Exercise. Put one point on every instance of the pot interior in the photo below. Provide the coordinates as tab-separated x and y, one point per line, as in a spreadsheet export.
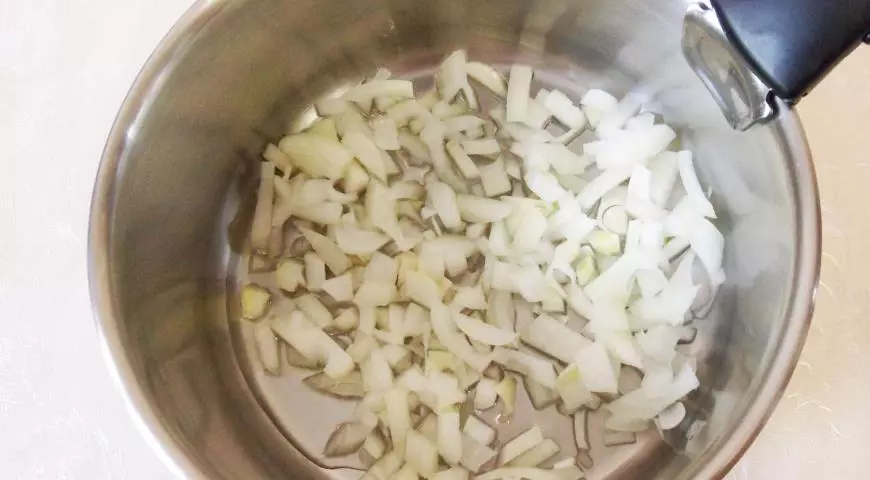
246	72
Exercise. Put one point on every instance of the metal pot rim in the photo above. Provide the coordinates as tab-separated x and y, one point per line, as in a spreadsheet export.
715	463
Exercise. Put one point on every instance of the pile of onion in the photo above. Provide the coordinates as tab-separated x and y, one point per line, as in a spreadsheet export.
428	255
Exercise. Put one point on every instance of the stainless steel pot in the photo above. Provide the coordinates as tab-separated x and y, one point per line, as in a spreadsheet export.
231	76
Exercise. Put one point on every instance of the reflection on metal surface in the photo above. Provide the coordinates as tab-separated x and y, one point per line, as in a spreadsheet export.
741	95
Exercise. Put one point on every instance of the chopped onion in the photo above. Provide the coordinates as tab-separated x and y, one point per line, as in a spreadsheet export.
488	77
494	178
482	209
449	436
475	454
564	110
340	288
349	386
482	332
267	347
520	445
310	341
596	369
463	162
367	153
445	330
378	189
479	430
262	223
671	417
693	186
506	389
539	370
315	310
597	104
385	467
485	394
553	338
540	396
443	200
365	93
333	256
539	454
421	454
519	83
317	156
454	473
255	301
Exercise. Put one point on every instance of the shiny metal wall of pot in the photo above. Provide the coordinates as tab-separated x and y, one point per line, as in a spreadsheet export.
230	76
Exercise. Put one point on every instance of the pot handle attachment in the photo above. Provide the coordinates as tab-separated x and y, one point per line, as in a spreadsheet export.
792	44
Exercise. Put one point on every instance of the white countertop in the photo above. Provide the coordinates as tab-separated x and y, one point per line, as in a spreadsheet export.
64	70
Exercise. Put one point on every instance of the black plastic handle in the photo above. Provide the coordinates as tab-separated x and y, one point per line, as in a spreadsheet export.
792	44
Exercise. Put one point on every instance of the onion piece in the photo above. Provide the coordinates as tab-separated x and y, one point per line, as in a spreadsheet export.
564	110
421	454
398	414
445	330
386	134
603	183
365	93
380	205
469	297
487	146
690	182
355	241
333	256
262	223
375	294
494	178
521	444
290	275
315	310
310	341
572	390
347	387
597	369
540	396
368	154
481	209
597	104
506	389
665	170
671	417
267	347
482	332
385	467
255	301
539	454
346	439
581	435
340	288
315	271
449	436
475	454
485	394
443	200
488	77
317	156
613	439
519	83
479	430
538	369
554	338
454	473
463	162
